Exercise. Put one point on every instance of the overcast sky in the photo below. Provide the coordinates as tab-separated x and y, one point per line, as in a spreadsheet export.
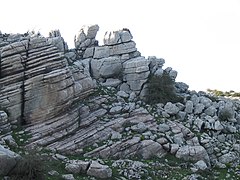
198	38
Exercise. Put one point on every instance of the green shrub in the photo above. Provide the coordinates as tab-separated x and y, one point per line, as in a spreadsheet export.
161	89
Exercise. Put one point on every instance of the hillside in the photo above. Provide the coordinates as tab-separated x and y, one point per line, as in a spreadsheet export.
106	112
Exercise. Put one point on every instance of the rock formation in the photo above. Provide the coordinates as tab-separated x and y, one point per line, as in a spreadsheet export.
89	102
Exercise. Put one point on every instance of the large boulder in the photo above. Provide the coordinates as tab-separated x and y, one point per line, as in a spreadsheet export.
8	160
193	153
106	67
136	72
99	171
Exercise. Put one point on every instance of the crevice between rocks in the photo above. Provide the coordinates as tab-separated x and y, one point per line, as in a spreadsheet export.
24	63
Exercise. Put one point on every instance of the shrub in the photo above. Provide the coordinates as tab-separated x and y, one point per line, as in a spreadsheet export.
28	168
161	89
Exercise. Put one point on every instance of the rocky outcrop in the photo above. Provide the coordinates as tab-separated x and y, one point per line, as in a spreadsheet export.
47	86
37	84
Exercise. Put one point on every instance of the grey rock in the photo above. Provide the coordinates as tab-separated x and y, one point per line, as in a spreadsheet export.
163	128
91	31
89	52
171	108
53	173
106	67
123	48
227	158
77	166
218	126
231	129
99	171
156	63
115	109
159	72
125	87
150	148
201	165
8	160
195	99
68	177
174	148
122	94
116	135
199	123
173	74
101	52
210	111
199	108
193	153
236	147
140	127
221	138
117	37
205	101
178	139
59	43
189	107
181	87
181	115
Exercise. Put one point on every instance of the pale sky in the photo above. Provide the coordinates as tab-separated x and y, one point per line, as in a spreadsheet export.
198	38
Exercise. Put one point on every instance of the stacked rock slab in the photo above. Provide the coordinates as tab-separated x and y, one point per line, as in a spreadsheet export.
36	82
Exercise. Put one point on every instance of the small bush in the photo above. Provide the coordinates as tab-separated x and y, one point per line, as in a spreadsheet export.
161	89
30	167
225	114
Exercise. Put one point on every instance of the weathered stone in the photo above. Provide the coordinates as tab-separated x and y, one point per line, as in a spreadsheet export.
115	109
193	153
8	160
195	99
140	127
122	94
174	148
68	177
77	166
123	48
99	171
150	148
89	52
218	126
171	108
163	128
205	101
117	37
116	135
101	52
227	158
211	111
199	108
91	31
189	107
201	165
106	67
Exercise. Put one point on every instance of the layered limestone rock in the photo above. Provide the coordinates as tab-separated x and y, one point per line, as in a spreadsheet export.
36	82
